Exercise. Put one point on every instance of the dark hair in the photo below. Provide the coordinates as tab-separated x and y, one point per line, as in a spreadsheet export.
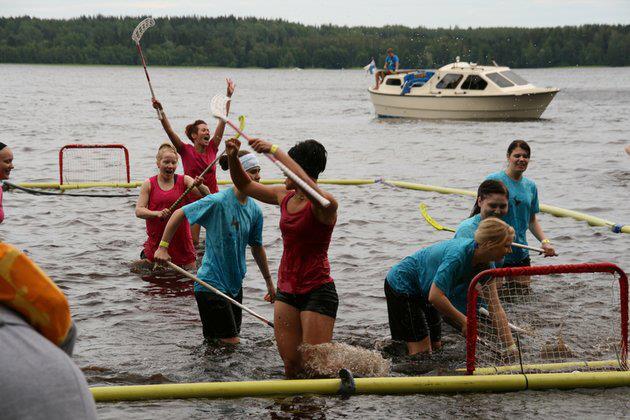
2	145
487	187
519	143
311	155
223	160
192	128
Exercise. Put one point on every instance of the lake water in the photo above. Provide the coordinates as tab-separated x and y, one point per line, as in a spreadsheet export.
137	332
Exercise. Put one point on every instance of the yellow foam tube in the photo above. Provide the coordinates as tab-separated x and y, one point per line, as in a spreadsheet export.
216	390
540	381
75	186
556	211
547	367
407	385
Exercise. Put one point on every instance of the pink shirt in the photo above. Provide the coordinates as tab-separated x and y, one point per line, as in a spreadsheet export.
181	248
194	164
1	209
304	265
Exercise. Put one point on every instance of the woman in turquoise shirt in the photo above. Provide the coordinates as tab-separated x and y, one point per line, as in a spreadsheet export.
492	201
429	283
523	204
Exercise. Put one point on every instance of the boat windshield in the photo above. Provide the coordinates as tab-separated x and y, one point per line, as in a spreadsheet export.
499	80
474	82
518	80
449	81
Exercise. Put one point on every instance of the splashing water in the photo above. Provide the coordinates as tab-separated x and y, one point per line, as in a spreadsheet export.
328	358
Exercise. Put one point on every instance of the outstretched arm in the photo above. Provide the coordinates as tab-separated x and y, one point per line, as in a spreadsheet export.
173	137
270	194
218	132
161	254
327	215
497	313
536	229
198	183
260	256
438	299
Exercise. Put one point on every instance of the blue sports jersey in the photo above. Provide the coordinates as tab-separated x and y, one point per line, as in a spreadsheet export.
230	227
468	227
390	62
447	264
523	204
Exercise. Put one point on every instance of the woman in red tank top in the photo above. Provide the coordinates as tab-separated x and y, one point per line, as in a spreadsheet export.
198	155
306	299
157	194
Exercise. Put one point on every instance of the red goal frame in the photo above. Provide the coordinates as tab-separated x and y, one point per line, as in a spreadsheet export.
93	146
603	267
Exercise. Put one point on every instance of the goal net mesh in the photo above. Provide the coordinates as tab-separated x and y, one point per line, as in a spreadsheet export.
559	318
94	164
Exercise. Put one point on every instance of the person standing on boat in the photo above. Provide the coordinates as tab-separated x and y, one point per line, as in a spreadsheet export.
6	166
391	66
523	204
492	201
306	301
157	195
232	221
197	156
433	282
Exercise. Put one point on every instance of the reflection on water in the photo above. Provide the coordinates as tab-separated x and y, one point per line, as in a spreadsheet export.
143	328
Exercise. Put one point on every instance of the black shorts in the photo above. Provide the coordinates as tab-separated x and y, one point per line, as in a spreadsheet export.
523	263
220	318
411	318
323	300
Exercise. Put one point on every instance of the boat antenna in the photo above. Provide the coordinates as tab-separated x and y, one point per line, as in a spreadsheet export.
495	63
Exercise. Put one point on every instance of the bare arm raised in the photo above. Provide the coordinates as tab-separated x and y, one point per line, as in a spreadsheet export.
173	137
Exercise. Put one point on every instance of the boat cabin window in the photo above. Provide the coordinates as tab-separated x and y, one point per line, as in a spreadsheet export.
499	80
518	80
474	82
449	81
393	82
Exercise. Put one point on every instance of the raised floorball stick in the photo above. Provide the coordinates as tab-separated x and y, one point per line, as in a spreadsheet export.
173	206
218	107
136	36
218	292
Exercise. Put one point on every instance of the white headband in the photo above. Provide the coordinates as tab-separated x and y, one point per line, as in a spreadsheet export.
249	161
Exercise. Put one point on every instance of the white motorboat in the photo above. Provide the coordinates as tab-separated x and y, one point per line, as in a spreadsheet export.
460	90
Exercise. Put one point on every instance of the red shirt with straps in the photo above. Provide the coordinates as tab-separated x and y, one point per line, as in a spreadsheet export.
304	265
181	249
194	164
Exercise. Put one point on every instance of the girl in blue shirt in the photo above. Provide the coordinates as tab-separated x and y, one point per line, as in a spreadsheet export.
523	204
492	201
232	221
428	284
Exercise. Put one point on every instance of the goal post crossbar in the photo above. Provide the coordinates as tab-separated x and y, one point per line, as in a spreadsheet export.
93	146
601	267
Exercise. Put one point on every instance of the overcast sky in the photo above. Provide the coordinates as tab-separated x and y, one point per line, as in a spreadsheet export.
443	13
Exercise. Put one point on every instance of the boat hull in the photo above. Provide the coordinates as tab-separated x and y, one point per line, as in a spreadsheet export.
525	106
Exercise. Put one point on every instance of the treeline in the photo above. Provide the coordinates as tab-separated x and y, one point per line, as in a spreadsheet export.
250	42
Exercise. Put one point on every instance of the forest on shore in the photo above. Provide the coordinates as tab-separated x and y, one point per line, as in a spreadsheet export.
251	42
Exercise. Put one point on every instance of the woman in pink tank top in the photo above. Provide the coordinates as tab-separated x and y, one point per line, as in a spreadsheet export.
198	155
157	194
306	299
6	166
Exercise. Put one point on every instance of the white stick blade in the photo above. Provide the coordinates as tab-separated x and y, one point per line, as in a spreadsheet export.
141	28
218	106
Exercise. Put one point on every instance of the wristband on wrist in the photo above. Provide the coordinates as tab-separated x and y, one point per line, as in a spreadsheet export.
545	241
274	148
164	244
